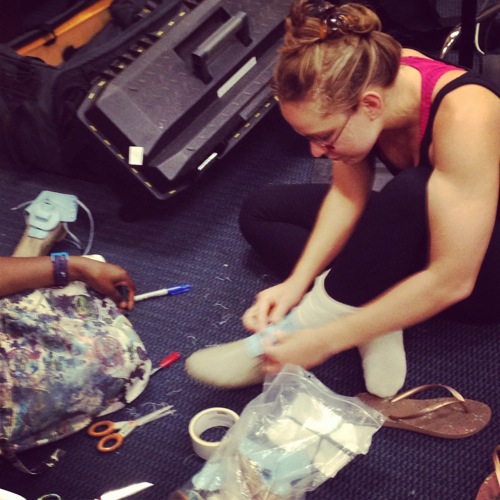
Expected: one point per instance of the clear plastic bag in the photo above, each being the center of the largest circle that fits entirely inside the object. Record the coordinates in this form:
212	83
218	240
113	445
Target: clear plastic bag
287	441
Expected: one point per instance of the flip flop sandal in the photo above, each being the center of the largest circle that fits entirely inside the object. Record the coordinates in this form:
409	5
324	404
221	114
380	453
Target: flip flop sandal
450	418
490	489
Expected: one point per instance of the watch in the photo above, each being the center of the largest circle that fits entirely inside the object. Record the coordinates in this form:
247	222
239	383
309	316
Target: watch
60	261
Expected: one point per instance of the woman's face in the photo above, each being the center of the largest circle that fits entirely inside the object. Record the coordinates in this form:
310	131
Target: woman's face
348	136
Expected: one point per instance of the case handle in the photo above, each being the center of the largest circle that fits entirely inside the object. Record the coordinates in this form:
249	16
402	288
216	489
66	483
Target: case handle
237	25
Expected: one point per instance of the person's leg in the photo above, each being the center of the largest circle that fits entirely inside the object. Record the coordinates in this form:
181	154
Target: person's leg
391	236
277	220
389	244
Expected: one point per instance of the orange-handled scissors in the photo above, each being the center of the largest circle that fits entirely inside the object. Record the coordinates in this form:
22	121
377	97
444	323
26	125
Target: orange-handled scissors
112	433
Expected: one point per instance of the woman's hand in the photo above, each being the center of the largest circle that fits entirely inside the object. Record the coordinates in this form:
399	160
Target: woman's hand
104	278
307	348
271	305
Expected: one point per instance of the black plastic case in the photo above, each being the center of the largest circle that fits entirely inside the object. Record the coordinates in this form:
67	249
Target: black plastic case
185	95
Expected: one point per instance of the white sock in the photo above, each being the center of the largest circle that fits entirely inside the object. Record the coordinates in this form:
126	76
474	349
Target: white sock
383	359
384	364
318	308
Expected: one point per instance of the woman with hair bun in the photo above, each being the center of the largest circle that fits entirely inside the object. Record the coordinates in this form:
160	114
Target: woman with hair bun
377	262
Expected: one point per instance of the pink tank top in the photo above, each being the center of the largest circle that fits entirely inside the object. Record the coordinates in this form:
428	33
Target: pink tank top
431	71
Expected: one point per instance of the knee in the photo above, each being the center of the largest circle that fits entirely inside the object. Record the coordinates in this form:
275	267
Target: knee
410	182
408	187
248	216
254	210
248	213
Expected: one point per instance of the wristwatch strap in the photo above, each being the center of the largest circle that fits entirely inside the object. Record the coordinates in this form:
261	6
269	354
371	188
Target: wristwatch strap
60	261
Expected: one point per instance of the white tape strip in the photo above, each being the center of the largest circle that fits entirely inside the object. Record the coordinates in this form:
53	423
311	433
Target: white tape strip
135	155
207	419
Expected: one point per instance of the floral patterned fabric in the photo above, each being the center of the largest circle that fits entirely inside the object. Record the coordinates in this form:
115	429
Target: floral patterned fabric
66	356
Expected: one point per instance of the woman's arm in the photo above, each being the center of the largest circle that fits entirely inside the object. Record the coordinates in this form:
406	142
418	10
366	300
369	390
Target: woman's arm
27	273
336	220
462	204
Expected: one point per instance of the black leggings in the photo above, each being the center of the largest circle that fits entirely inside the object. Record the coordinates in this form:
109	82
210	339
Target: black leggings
390	242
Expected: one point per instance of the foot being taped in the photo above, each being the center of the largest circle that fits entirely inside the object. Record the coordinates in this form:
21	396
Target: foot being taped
228	365
239	363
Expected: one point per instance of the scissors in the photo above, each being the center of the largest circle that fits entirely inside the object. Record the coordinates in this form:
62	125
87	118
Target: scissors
112	434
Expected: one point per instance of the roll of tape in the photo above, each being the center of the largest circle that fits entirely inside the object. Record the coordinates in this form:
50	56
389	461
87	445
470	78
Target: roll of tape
208	419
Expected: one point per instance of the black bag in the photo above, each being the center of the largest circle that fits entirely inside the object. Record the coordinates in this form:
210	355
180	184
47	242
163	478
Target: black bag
38	100
414	23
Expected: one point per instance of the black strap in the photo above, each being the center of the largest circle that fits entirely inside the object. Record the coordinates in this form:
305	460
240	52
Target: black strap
469	78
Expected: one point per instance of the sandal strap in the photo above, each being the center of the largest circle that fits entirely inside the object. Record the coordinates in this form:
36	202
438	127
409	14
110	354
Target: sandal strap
431	408
421	388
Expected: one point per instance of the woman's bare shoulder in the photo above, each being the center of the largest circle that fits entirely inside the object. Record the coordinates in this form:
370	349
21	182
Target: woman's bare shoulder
469	119
472	100
412	52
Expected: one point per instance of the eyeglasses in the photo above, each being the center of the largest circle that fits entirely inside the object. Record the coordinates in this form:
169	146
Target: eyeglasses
329	141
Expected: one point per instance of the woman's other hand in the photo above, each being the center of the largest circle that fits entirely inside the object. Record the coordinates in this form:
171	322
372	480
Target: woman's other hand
306	348
271	305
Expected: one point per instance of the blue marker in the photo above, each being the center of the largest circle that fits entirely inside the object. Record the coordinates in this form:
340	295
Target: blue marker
164	291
